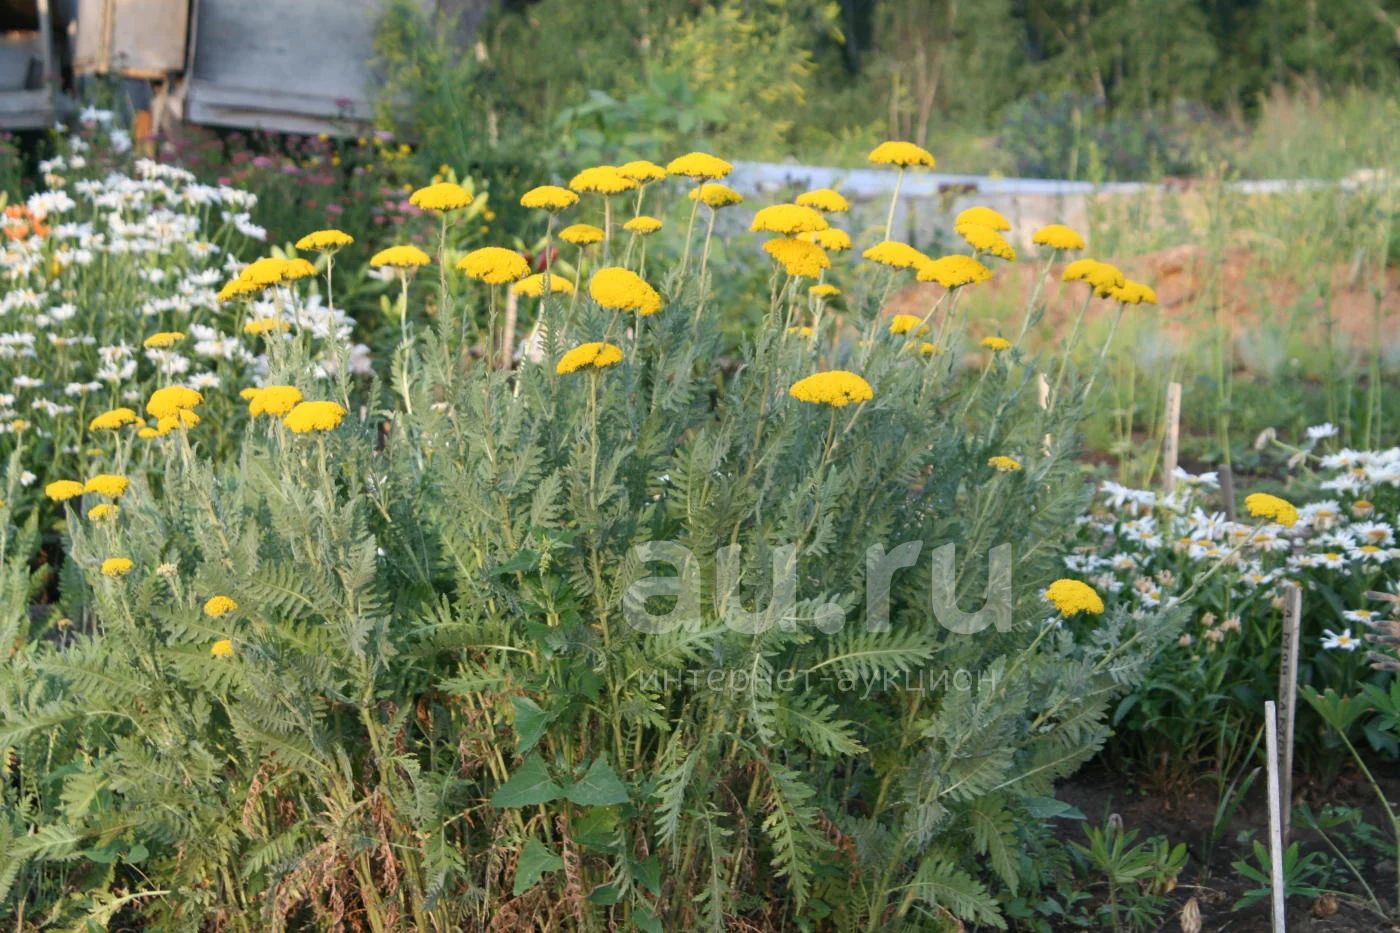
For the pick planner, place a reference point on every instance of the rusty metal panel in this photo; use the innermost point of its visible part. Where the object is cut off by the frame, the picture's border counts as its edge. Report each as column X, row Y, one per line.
column 134, row 38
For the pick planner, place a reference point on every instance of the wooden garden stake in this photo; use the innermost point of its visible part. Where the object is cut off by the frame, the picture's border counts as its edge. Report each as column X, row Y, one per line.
column 1275, row 822
column 508, row 339
column 1171, row 443
column 1227, row 490
column 1043, row 391
column 1288, row 696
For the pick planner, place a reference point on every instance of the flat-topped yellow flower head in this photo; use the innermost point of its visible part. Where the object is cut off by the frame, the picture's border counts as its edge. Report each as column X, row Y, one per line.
column 831, row 239
column 642, row 171
column 907, row 323
column 602, row 179
column 826, row 200
column 217, row 606
column 837, row 388
column 619, row 289
column 533, row 286
column 902, row 155
column 996, row 344
column 798, row 257
column 165, row 402
column 1072, row 597
column 222, row 649
column 788, row 220
column 982, row 216
column 274, row 401
column 581, row 234
column 715, row 195
column 1130, row 293
column 325, row 240
column 642, row 225
column 494, row 265
column 700, row 166
column 111, row 485
column 307, row 417
column 297, row 269
column 1263, row 505
column 896, row 255
column 116, row 566
column 954, row 271
column 400, row 257
column 824, row 290
column 443, row 196
column 1098, row 275
column 1058, row 236
column 1004, row 464
column 595, row 355
column 163, row 340
column 114, row 419
column 63, row 489
column 548, row 198
column 986, row 240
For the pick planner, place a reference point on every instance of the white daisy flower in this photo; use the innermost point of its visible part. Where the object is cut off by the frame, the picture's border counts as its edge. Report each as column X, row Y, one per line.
column 1344, row 641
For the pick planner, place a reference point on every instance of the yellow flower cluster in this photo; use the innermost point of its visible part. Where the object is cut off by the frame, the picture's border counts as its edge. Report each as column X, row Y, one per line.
column 1263, row 505
column 63, row 489
column 901, row 154
column 896, row 255
column 217, row 606
column 716, row 196
column 223, row 648
column 266, row 325
column 832, row 239
column 836, row 388
column 323, row 240
column 1099, row 275
column 602, row 179
column 307, row 417
column 400, row 257
column 642, row 171
column 788, row 220
column 581, row 234
column 114, row 419
column 798, row 258
column 168, row 401
column 163, row 340
column 981, row 217
column 1072, row 597
column 823, row 290
column 699, row 166
column 110, row 485
column 905, row 323
column 619, row 289
column 643, row 225
column 548, row 198
column 102, row 511
column 263, row 273
column 494, row 265
column 443, row 196
column 954, row 271
column 275, row 401
column 987, row 240
column 1131, row 293
column 533, row 286
column 1058, row 236
column 827, row 200
column 116, row 566
column 1004, row 464
column 996, row 344
column 596, row 355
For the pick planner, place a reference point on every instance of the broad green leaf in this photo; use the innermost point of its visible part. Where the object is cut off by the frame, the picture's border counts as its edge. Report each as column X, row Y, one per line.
column 530, row 722
column 529, row 785
column 599, row 787
column 535, row 860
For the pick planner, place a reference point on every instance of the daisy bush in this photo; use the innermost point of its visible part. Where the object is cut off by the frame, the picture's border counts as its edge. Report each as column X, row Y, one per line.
column 1334, row 537
column 577, row 611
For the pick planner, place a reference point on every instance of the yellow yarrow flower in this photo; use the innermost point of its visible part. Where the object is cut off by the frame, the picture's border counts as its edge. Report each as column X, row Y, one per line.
column 642, row 225
column 1004, row 464
column 110, row 485
column 802, row 331
column 113, row 420
column 306, row 417
column 901, row 154
column 267, row 325
column 1263, row 505
column 716, row 196
column 826, row 200
column 180, row 420
column 63, row 489
column 698, row 166
column 798, row 257
column 641, row 171
column 275, row 401
column 163, row 340
column 836, row 388
column 831, row 239
column 823, row 290
column 167, row 401
column 116, row 566
column 1072, row 597
column 581, row 234
column 494, row 265
column 102, row 511
column 1130, row 293
column 996, row 344
column 602, row 179
column 548, row 198
column 983, row 216
column 400, row 257
column 323, row 240
column 1099, row 275
column 621, row 289
column 443, row 196
column 904, row 323
column 297, row 269
column 986, row 240
column 788, row 220
column 896, row 255
column 595, row 355
column 1058, row 236
column 223, row 648
column 954, row 271
column 533, row 286
column 217, row 606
